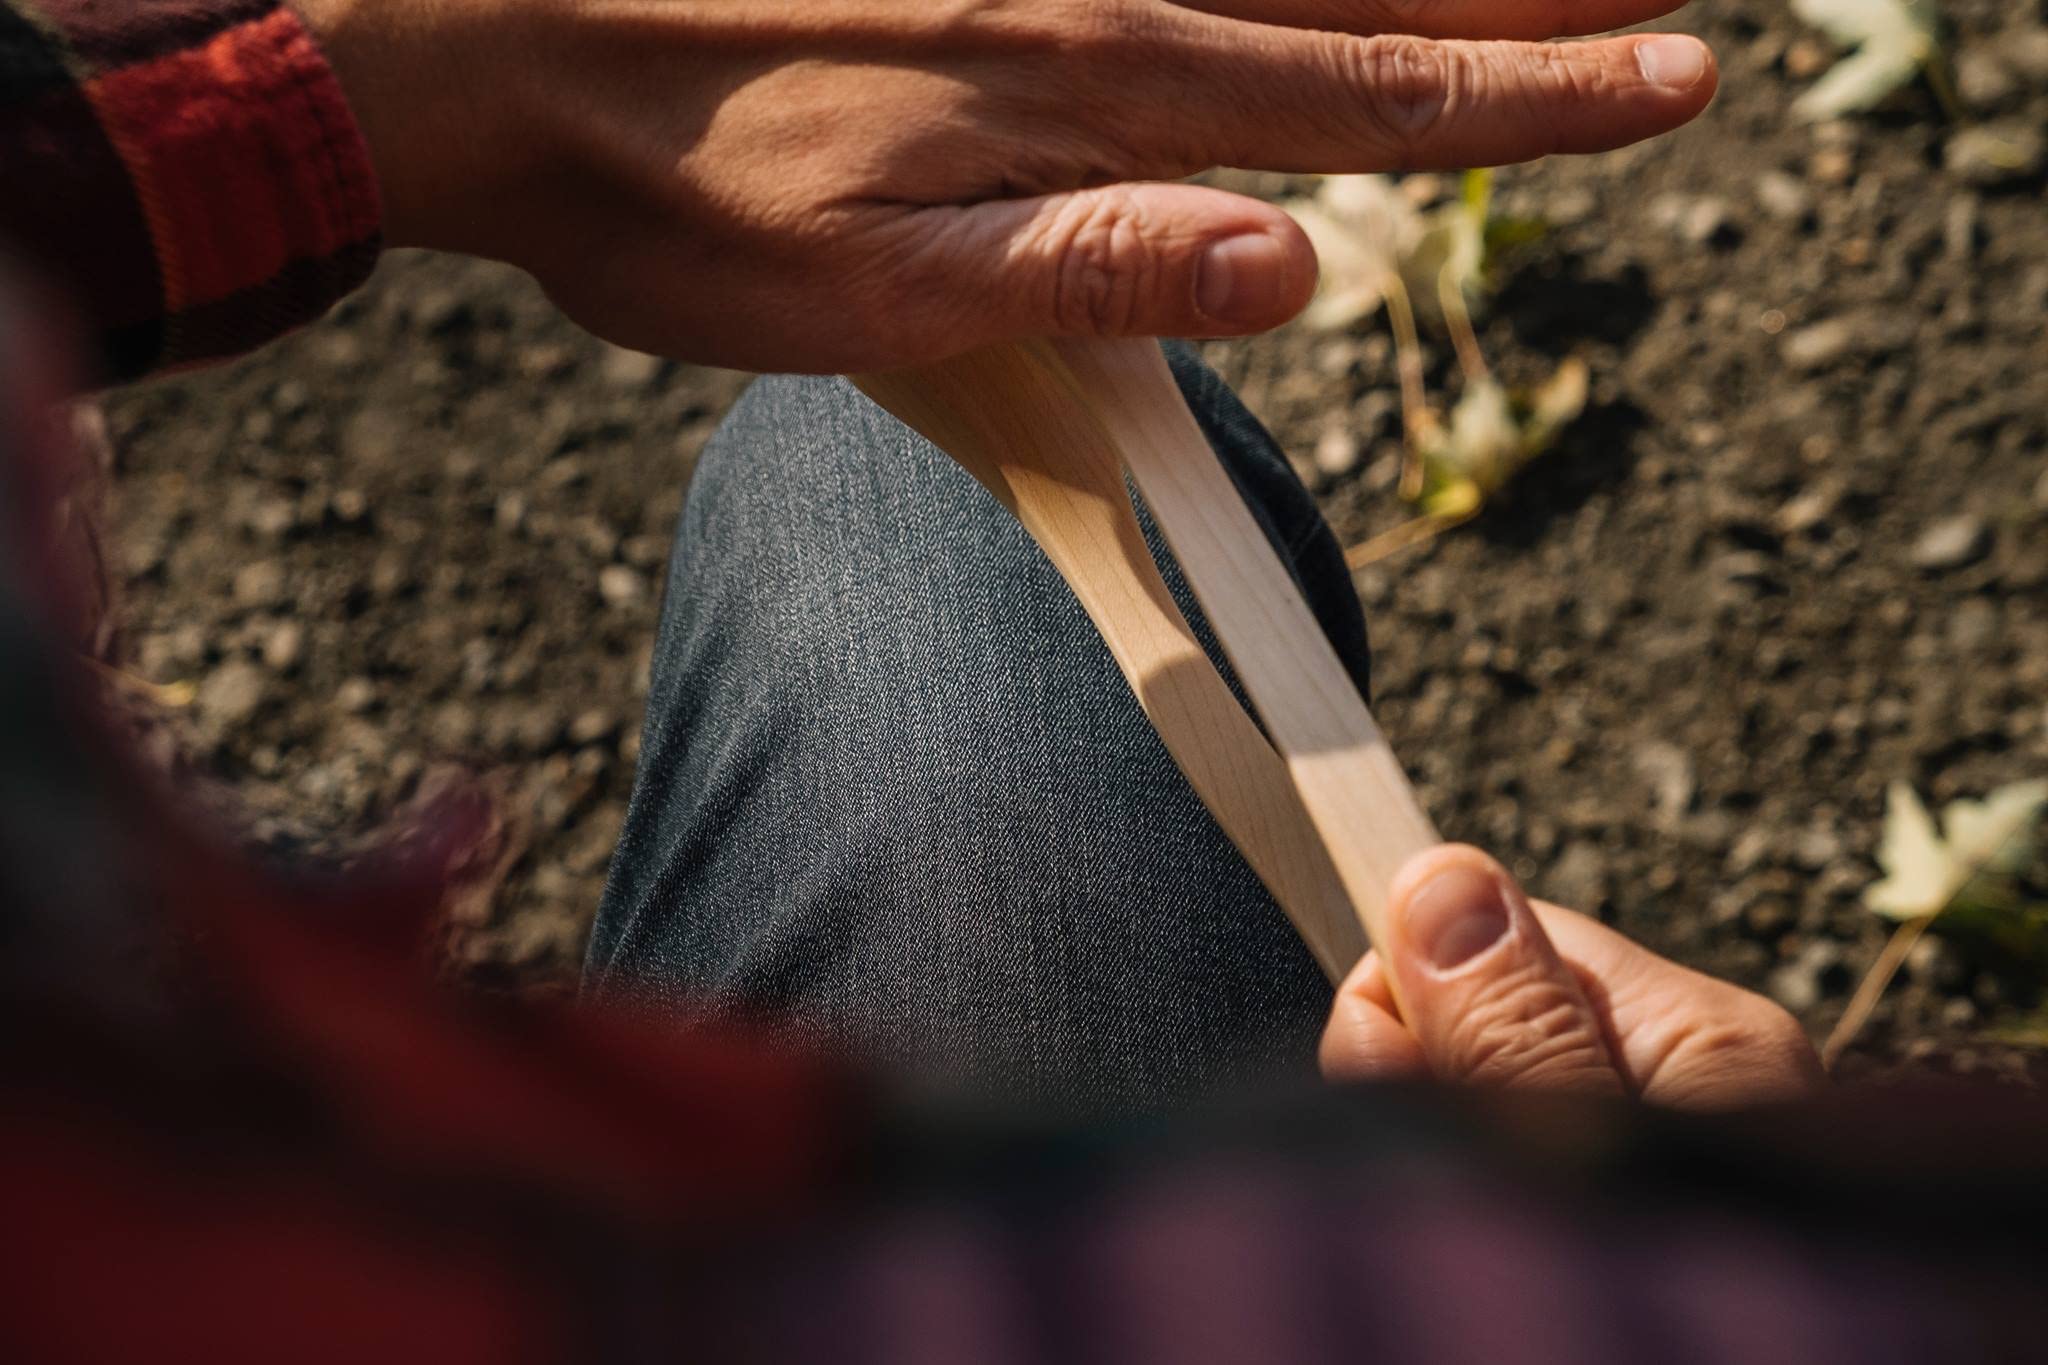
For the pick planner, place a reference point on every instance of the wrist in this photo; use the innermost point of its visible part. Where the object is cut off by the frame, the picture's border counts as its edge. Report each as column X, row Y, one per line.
column 422, row 80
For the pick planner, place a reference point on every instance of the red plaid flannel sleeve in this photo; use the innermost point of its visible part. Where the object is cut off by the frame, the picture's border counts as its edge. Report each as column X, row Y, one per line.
column 185, row 171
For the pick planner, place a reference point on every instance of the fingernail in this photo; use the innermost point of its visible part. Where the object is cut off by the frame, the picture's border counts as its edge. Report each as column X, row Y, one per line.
column 1240, row 278
column 1456, row 915
column 1673, row 62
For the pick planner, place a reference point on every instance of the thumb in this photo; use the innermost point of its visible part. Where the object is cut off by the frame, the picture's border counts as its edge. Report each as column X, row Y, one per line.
column 1481, row 987
column 1133, row 260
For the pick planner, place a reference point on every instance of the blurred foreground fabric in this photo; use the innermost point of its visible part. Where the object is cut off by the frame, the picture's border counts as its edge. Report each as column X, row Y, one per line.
column 240, row 1119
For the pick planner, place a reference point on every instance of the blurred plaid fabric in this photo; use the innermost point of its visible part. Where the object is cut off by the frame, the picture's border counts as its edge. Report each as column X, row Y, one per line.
column 185, row 171
column 240, row 1120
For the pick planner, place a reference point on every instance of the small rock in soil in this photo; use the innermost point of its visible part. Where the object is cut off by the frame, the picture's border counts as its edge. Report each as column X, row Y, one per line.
column 1800, row 983
column 2027, row 53
column 1784, row 197
column 1973, row 624
column 1984, row 81
column 355, row 696
column 1951, row 543
column 260, row 584
column 629, row 369
column 232, row 693
column 1994, row 154
column 273, row 518
column 593, row 725
column 1578, row 879
column 1668, row 771
column 1821, row 345
column 350, row 506
column 1960, row 228
column 284, row 644
column 1336, row 453
column 621, row 587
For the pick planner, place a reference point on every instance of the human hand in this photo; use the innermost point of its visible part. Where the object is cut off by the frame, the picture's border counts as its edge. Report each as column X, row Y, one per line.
column 828, row 185
column 1495, row 990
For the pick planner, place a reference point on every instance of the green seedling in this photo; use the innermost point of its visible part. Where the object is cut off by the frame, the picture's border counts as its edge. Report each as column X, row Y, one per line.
column 1378, row 250
column 1891, row 42
column 1967, row 876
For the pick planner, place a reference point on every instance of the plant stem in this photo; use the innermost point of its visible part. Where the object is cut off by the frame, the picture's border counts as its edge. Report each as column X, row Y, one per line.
column 1408, row 366
column 1416, row 531
column 1872, row 989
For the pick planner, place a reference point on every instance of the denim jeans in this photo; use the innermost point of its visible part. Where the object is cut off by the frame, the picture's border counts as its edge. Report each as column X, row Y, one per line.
column 894, row 793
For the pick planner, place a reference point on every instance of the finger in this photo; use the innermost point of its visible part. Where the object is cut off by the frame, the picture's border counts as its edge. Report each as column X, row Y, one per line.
column 1481, row 987
column 1528, row 20
column 1683, row 1038
column 1294, row 100
column 1364, row 1039
column 1122, row 260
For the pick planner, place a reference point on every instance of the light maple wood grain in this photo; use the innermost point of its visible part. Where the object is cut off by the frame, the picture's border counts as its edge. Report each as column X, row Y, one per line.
column 1323, row 813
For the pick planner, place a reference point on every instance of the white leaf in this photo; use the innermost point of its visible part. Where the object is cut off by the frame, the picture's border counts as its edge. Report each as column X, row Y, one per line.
column 1893, row 40
column 1362, row 229
column 1996, row 834
column 1921, row 875
column 1449, row 254
column 1484, row 438
column 1926, row 873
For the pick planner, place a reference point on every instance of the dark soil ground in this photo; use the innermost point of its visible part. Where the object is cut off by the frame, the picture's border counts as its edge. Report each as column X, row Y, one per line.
column 1796, row 548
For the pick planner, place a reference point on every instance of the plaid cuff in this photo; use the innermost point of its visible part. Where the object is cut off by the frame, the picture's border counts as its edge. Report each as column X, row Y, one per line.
column 186, row 169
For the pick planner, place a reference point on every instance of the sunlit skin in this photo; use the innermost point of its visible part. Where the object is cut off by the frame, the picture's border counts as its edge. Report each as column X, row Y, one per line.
column 1541, row 996
column 848, row 185
column 857, row 184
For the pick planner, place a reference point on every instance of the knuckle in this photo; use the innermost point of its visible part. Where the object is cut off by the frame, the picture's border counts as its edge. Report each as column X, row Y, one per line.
column 1754, row 1050
column 1411, row 86
column 1088, row 27
column 1103, row 267
column 1530, row 1030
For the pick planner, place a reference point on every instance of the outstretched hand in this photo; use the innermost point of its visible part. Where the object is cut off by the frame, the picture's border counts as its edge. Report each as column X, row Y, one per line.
column 1497, row 990
column 853, row 185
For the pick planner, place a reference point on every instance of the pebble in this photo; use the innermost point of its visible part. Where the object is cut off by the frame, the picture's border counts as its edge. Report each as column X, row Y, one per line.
column 1751, row 850
column 626, row 369
column 261, row 584
column 1984, row 81
column 1972, row 624
column 1696, row 219
column 1785, row 197
column 1336, row 453
column 273, row 518
column 510, row 513
column 1800, row 983
column 350, row 506
column 232, row 693
column 1668, row 771
column 1578, row 878
column 593, row 725
column 1816, row 847
column 1993, row 154
column 284, row 644
column 2027, row 52
column 1819, row 346
column 355, row 696
column 1951, row 543
column 1809, row 509
column 621, row 587
column 1959, row 228
column 1831, row 166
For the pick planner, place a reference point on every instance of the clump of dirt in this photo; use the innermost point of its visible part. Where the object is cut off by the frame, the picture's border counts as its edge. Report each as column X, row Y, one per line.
column 1794, row 550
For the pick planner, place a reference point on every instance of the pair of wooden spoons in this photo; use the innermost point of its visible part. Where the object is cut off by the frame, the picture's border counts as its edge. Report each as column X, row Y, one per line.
column 1322, row 812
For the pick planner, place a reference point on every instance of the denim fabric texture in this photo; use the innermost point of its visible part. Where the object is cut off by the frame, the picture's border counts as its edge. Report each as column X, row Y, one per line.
column 894, row 794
